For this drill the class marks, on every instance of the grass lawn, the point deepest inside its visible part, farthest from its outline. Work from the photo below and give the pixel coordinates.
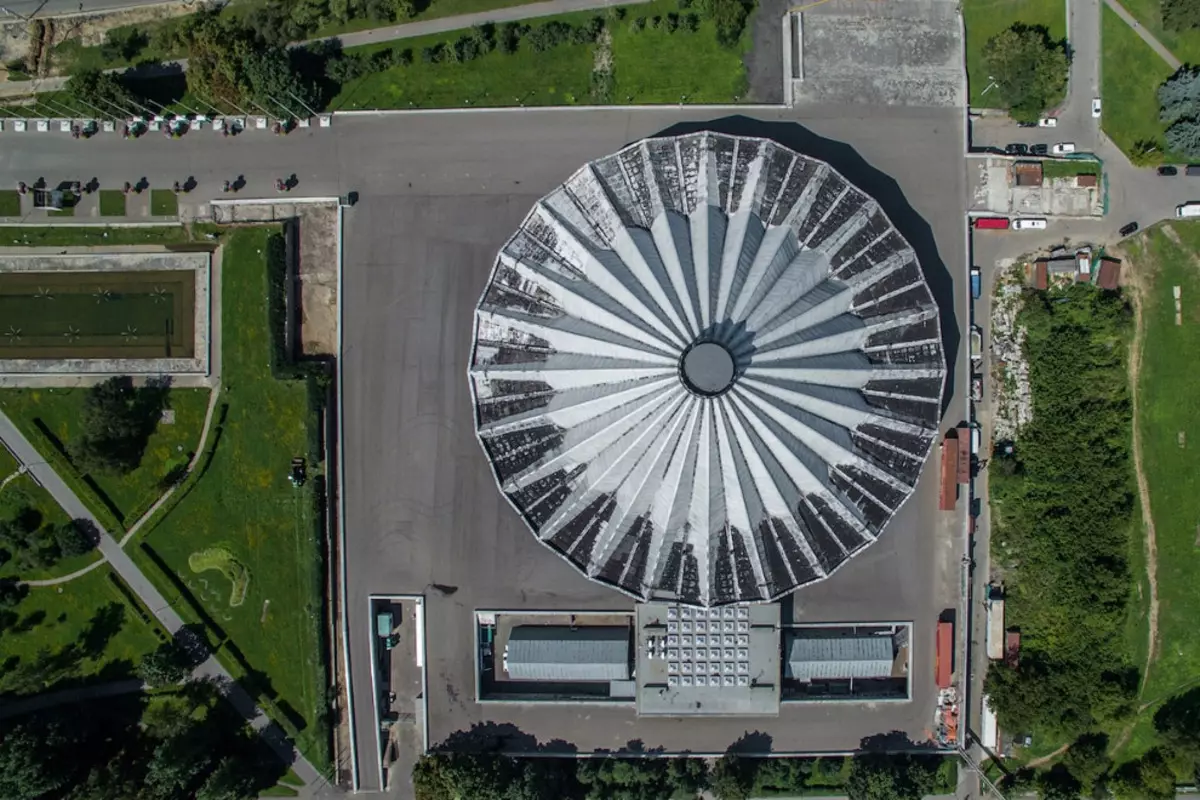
(112, 203)
(79, 631)
(10, 203)
(1130, 74)
(649, 66)
(983, 19)
(244, 505)
(170, 446)
(164, 203)
(63, 236)
(1069, 168)
(1185, 46)
(1170, 428)
(23, 492)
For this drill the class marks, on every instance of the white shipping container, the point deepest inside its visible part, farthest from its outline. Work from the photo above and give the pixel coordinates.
(989, 734)
(995, 629)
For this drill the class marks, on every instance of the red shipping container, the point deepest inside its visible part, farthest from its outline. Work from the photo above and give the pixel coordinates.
(992, 223)
(949, 491)
(964, 454)
(945, 654)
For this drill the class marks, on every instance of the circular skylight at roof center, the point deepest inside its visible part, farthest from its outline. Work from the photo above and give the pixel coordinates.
(707, 369)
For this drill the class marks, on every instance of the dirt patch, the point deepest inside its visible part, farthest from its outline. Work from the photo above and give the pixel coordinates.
(34, 43)
(318, 280)
(1046, 759)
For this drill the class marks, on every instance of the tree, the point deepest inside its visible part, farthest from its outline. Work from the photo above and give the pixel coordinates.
(103, 90)
(1087, 759)
(229, 781)
(115, 427)
(1058, 784)
(689, 775)
(887, 776)
(1029, 70)
(1180, 15)
(729, 16)
(1184, 137)
(123, 44)
(11, 593)
(733, 777)
(72, 538)
(1148, 778)
(1178, 722)
(165, 666)
(624, 778)
(178, 763)
(27, 768)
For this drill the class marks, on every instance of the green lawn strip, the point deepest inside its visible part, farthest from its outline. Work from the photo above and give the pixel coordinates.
(90, 236)
(983, 19)
(1069, 168)
(164, 203)
(241, 502)
(560, 76)
(1130, 74)
(83, 630)
(1183, 45)
(112, 203)
(434, 10)
(21, 493)
(1166, 388)
(170, 446)
(10, 203)
(649, 66)
(653, 66)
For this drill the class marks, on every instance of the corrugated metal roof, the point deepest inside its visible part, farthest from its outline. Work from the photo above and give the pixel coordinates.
(558, 653)
(841, 657)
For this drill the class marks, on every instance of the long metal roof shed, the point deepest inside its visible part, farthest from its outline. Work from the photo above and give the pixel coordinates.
(560, 653)
(812, 658)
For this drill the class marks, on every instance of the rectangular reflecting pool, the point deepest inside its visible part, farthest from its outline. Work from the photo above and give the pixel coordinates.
(141, 314)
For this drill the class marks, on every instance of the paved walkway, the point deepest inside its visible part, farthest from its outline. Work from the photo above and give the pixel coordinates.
(155, 602)
(1147, 37)
(38, 702)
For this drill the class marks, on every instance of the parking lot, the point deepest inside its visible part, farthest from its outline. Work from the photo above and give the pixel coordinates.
(422, 507)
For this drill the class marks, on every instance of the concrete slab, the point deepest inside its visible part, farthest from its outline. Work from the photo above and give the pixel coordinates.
(421, 505)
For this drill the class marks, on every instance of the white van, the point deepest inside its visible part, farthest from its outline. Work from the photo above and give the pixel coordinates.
(1191, 209)
(1029, 225)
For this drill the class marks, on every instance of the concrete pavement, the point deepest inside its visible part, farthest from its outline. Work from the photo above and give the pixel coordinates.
(45, 475)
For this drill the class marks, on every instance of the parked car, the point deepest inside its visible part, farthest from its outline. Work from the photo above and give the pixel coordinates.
(1192, 170)
(1048, 122)
(1168, 172)
(1016, 149)
(1029, 225)
(1128, 229)
(1027, 124)
(1062, 148)
(1039, 149)
(1096, 107)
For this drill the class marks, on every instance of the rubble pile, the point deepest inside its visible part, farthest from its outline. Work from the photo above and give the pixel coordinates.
(1010, 372)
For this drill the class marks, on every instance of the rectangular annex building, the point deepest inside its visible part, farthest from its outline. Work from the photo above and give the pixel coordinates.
(821, 658)
(563, 653)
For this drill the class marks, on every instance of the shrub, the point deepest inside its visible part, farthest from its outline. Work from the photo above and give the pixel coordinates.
(671, 23)
(403, 56)
(510, 37)
(466, 48)
(691, 22)
(655, 23)
(638, 24)
(729, 17)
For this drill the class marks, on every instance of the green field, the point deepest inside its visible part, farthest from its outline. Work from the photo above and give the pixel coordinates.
(169, 447)
(1185, 46)
(1069, 168)
(10, 203)
(164, 203)
(984, 19)
(1130, 74)
(649, 66)
(71, 236)
(112, 203)
(242, 503)
(80, 631)
(1169, 421)
(22, 493)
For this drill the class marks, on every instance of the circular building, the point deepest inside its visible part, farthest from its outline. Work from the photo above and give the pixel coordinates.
(707, 369)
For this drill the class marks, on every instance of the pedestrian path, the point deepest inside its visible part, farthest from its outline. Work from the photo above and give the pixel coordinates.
(241, 700)
(1146, 35)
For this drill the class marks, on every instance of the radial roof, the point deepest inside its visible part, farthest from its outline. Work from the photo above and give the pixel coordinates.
(707, 368)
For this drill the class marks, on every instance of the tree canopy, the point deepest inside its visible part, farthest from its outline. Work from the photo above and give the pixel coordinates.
(104, 91)
(1179, 108)
(117, 420)
(1180, 15)
(1062, 514)
(1029, 70)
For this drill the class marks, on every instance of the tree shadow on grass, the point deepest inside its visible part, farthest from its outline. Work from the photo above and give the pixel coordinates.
(101, 628)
